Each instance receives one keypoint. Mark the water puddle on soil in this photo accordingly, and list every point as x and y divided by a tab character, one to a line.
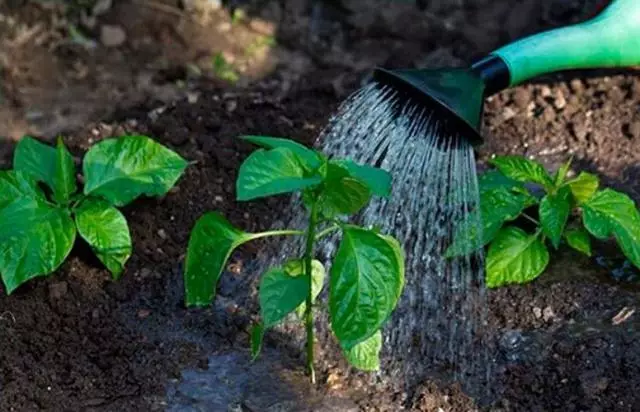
232	383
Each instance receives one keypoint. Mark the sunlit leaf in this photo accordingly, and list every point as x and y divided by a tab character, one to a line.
122	169
515	257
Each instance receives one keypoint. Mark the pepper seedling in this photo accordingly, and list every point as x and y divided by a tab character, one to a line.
38	225
367	273
568	211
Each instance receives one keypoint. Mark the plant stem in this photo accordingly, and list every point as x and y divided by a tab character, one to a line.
308	258
276	233
326	231
529	218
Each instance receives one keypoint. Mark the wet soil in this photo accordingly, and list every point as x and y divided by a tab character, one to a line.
77	341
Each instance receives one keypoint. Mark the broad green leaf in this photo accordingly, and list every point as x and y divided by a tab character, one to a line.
579	240
212	240
296	268
501	200
122	169
609	213
515	257
272	172
64	179
561	174
16	185
523	170
309	158
280	294
629	241
35	159
554	213
105	229
35	239
584	186
341	194
366	280
257	335
467	238
366	355
493	179
378	180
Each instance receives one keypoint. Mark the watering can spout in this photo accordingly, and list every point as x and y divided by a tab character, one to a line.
453	95
611	39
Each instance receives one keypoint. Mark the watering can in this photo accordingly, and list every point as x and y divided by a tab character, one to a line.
609	40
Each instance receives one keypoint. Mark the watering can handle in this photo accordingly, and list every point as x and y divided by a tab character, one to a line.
611	39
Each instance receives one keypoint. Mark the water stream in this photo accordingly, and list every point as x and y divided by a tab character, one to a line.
438	325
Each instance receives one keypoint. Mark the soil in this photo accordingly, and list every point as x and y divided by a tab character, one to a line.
78	341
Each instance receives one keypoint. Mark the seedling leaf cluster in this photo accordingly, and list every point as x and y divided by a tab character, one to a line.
39	224
570	211
367	273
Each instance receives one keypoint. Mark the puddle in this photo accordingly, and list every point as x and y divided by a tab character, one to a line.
232	383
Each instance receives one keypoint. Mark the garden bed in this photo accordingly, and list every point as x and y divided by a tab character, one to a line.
79	341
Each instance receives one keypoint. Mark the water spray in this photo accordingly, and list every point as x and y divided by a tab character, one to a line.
422	126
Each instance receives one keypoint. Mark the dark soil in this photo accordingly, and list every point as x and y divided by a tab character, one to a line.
77	341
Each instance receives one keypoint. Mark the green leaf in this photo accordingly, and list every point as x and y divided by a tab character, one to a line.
554	213
579	240
105	229
515	257
523	170
609	213
378	180
296	268
271	172
309	158
35	159
16	185
280	294
257	335
366	355
64	178
35	238
494	179
584	187
467	239
122	169
501	200
561	174
341	194
212	240
366	280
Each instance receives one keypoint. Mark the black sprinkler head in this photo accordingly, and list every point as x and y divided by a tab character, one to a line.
456	96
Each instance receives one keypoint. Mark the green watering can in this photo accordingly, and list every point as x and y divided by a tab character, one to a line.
611	39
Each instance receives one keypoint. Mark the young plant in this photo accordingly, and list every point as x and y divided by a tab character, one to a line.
38	227
367	274
569	211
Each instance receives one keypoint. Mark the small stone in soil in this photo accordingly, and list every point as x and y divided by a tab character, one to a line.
112	36
537	312
576	85
560	102
547	314
162	234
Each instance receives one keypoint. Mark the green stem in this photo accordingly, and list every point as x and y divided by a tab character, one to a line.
308	258
529	218
261	235
327	231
